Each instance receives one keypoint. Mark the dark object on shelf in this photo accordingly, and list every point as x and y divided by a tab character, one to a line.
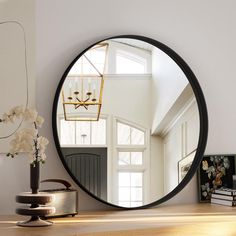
234	181
65	199
215	172
35	210
37	201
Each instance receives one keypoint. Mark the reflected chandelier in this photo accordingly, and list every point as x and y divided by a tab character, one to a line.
83	88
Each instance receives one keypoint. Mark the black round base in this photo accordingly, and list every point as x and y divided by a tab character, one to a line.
34	222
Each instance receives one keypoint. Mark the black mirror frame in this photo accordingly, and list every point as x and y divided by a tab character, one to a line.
203	118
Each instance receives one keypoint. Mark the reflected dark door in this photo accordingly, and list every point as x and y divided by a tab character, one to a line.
89	166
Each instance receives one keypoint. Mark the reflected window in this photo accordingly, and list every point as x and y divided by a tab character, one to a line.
131	167
83	132
84	64
130	158
98	132
128	135
67	132
129	63
130	189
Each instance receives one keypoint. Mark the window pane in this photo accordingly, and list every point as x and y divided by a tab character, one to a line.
97	57
136	194
99	132
124	194
82	66
82	132
124	204
67	132
124	158
123	133
136	179
124	179
130	191
136	204
129	64
137	137
136	158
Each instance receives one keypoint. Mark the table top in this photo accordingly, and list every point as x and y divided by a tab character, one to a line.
197	219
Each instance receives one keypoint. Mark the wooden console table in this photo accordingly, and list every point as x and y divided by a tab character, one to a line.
199	219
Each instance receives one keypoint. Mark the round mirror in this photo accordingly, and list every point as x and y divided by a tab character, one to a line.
130	121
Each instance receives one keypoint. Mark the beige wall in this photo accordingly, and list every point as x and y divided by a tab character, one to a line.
14	173
13	73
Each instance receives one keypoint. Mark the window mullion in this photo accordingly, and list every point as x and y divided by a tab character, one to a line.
75	132
90	131
130	189
130	136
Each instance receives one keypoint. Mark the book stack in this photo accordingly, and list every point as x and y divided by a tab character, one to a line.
224	196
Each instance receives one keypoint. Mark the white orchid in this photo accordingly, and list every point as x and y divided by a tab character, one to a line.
39	121
15	112
30	115
5	118
18	111
43	156
27	139
42	142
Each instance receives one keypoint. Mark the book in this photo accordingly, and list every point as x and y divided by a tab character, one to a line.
223	202
226	191
224	197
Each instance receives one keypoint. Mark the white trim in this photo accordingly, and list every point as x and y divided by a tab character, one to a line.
131	147
111	76
130	123
84	146
144	76
109	158
178	116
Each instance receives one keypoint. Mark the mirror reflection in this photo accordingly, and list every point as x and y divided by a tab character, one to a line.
127	122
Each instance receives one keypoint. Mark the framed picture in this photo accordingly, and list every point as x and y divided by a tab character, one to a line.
215	171
184	165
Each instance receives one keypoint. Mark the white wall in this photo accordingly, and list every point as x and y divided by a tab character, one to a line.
123	96
168	82
180	141
156	168
202	32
